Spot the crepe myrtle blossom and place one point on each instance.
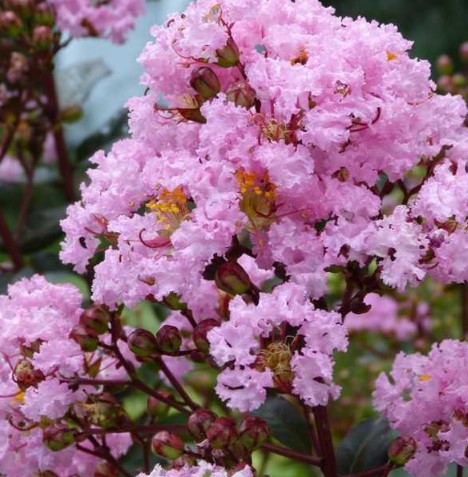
(39, 360)
(424, 398)
(282, 343)
(202, 469)
(277, 120)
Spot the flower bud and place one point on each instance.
(463, 51)
(142, 342)
(228, 55)
(24, 8)
(445, 84)
(42, 37)
(199, 422)
(95, 319)
(444, 65)
(459, 80)
(232, 278)
(173, 302)
(168, 339)
(10, 24)
(253, 432)
(241, 94)
(205, 82)
(57, 437)
(222, 433)
(401, 450)
(200, 333)
(157, 408)
(25, 375)
(44, 14)
(86, 338)
(167, 445)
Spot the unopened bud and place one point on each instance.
(253, 432)
(26, 376)
(57, 437)
(199, 422)
(445, 84)
(42, 37)
(241, 94)
(401, 450)
(459, 80)
(71, 114)
(200, 333)
(157, 408)
(222, 432)
(445, 65)
(173, 302)
(167, 445)
(463, 50)
(96, 319)
(228, 55)
(205, 82)
(168, 339)
(142, 342)
(24, 8)
(232, 278)
(10, 24)
(44, 14)
(86, 338)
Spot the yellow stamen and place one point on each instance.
(391, 56)
(425, 377)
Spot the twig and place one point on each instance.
(325, 440)
(292, 454)
(11, 246)
(60, 146)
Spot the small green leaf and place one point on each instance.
(287, 423)
(364, 447)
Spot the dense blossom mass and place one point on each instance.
(276, 144)
(425, 398)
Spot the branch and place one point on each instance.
(11, 246)
(292, 454)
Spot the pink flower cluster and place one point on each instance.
(425, 398)
(277, 129)
(109, 19)
(38, 361)
(202, 469)
(283, 342)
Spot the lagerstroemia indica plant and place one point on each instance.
(276, 145)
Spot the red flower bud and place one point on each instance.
(57, 437)
(44, 14)
(232, 278)
(168, 339)
(167, 445)
(241, 94)
(445, 65)
(103, 469)
(200, 333)
(228, 55)
(222, 433)
(10, 24)
(253, 432)
(401, 450)
(463, 50)
(86, 338)
(95, 319)
(205, 82)
(199, 422)
(142, 342)
(42, 37)
(173, 302)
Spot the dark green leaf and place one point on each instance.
(364, 447)
(287, 423)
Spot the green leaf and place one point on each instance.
(287, 423)
(364, 447)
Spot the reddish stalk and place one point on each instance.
(325, 441)
(60, 145)
(284, 451)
